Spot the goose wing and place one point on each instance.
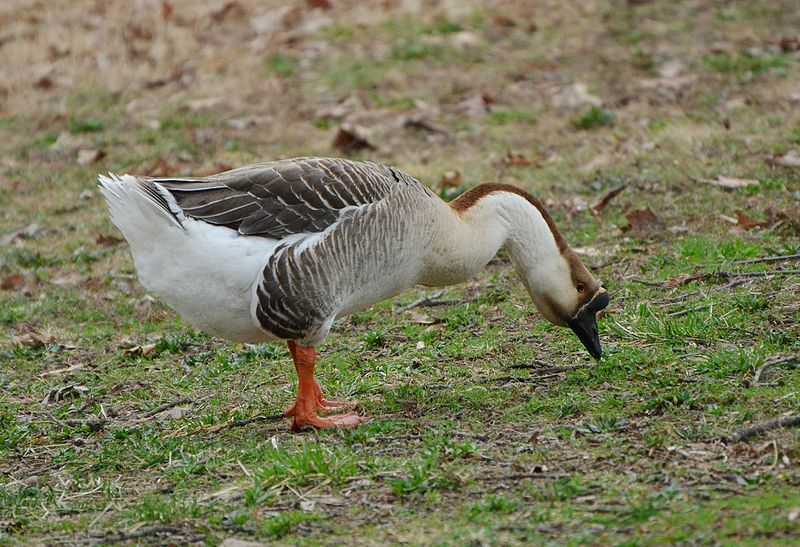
(280, 198)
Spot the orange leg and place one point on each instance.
(323, 403)
(310, 398)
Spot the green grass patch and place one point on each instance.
(593, 118)
(743, 62)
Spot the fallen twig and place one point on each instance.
(536, 364)
(772, 363)
(735, 283)
(649, 283)
(49, 373)
(778, 258)
(728, 275)
(690, 380)
(254, 419)
(523, 379)
(753, 430)
(144, 531)
(548, 369)
(426, 300)
(517, 476)
(40, 470)
(165, 406)
(687, 311)
(598, 207)
(754, 274)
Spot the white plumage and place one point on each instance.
(281, 249)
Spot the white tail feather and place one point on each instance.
(133, 208)
(206, 273)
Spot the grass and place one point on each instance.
(744, 62)
(116, 416)
(593, 118)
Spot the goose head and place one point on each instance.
(567, 295)
(562, 289)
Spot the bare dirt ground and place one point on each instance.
(663, 136)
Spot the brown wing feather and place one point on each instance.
(280, 198)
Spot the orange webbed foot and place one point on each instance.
(310, 398)
(349, 419)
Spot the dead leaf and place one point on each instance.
(465, 39)
(589, 250)
(236, 542)
(232, 10)
(598, 207)
(319, 4)
(745, 222)
(172, 414)
(44, 82)
(13, 185)
(205, 103)
(789, 159)
(475, 106)
(668, 85)
(89, 155)
(513, 159)
(107, 240)
(34, 340)
(502, 20)
(70, 279)
(136, 351)
(61, 370)
(418, 121)
(57, 394)
(23, 233)
(351, 137)
(206, 170)
(670, 69)
(575, 204)
(159, 168)
(248, 121)
(451, 179)
(790, 43)
(182, 77)
(273, 21)
(166, 10)
(422, 318)
(642, 222)
(729, 183)
(226, 493)
(340, 110)
(600, 160)
(574, 95)
(12, 282)
(145, 303)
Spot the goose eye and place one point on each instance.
(581, 287)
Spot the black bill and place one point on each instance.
(584, 324)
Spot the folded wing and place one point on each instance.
(281, 198)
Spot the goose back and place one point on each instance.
(286, 197)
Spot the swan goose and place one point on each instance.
(280, 249)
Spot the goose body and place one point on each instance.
(280, 249)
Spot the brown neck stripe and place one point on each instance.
(473, 196)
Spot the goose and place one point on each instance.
(280, 249)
